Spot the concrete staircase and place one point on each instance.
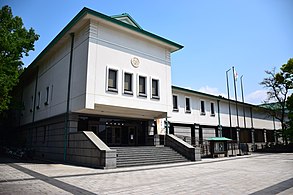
(146, 155)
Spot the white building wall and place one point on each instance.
(53, 74)
(195, 116)
(260, 119)
(28, 100)
(111, 48)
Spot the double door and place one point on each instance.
(118, 135)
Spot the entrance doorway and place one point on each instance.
(116, 135)
(117, 132)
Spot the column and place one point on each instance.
(276, 137)
(252, 139)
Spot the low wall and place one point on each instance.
(87, 149)
(183, 148)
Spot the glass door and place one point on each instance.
(114, 135)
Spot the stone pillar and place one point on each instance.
(238, 135)
(275, 137)
(220, 133)
(265, 135)
(196, 134)
(238, 140)
(252, 139)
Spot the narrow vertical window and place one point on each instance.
(39, 100)
(187, 105)
(112, 80)
(175, 103)
(212, 109)
(128, 83)
(155, 89)
(47, 96)
(142, 86)
(202, 108)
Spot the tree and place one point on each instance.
(15, 41)
(280, 84)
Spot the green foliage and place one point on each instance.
(15, 41)
(279, 86)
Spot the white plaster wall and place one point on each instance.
(53, 73)
(261, 120)
(28, 93)
(114, 49)
(181, 116)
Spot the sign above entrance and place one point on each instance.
(135, 62)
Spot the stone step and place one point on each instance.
(141, 163)
(150, 158)
(146, 155)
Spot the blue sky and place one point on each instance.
(253, 36)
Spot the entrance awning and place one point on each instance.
(218, 139)
(118, 111)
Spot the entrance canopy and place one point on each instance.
(218, 139)
(117, 111)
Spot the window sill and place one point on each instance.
(142, 95)
(213, 115)
(46, 103)
(175, 110)
(156, 97)
(202, 113)
(112, 90)
(187, 111)
(128, 92)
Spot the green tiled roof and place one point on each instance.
(218, 139)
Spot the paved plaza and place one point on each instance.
(252, 174)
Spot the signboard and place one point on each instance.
(161, 126)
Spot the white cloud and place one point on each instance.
(212, 91)
(256, 97)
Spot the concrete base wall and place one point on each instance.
(86, 148)
(183, 148)
(47, 139)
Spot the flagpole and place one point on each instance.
(235, 90)
(243, 101)
(237, 128)
(229, 103)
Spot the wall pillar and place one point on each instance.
(220, 132)
(265, 135)
(196, 134)
(275, 137)
(238, 135)
(252, 139)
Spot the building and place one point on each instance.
(198, 116)
(103, 82)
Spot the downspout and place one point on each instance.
(68, 98)
(34, 105)
(35, 96)
(219, 120)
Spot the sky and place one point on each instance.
(253, 36)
